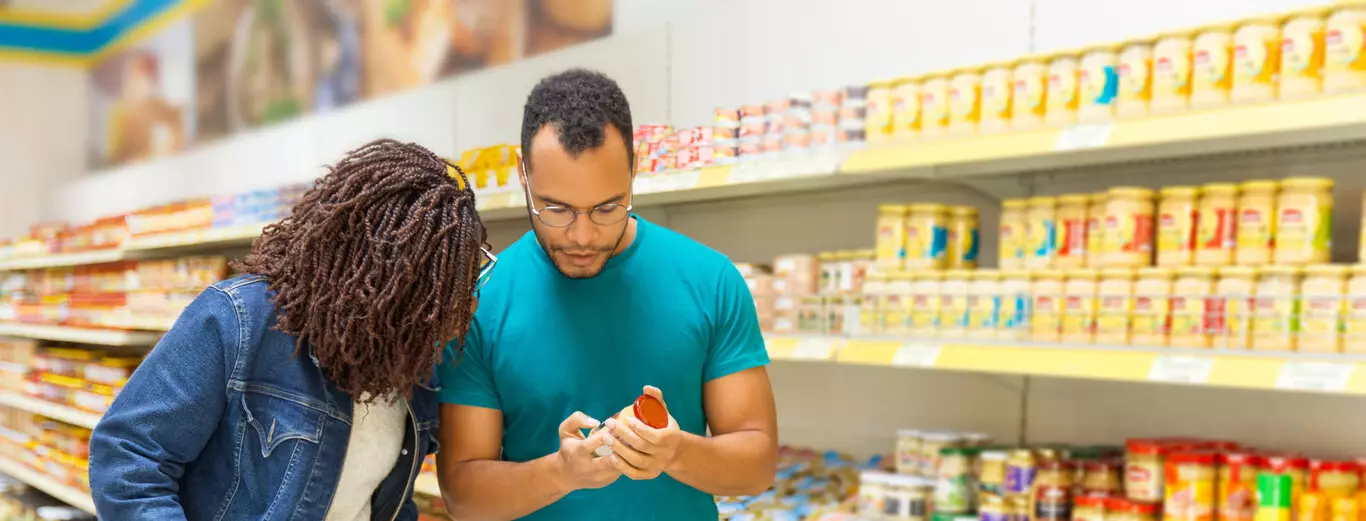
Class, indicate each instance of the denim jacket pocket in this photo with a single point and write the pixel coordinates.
(277, 420)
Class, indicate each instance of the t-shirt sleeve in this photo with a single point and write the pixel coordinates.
(736, 342)
(466, 377)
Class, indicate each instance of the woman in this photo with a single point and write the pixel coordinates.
(305, 390)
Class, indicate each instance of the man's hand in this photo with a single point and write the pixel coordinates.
(578, 467)
(638, 451)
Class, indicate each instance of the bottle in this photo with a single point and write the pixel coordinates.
(648, 409)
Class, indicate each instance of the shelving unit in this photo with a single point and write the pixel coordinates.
(40, 481)
(102, 337)
(57, 412)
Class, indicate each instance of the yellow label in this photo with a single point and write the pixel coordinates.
(934, 104)
(1172, 68)
(953, 312)
(965, 99)
(1151, 314)
(1255, 229)
(924, 313)
(1256, 54)
(1303, 229)
(1188, 316)
(1275, 316)
(1135, 76)
(1195, 494)
(1047, 316)
(1345, 40)
(1080, 317)
(891, 241)
(1176, 232)
(996, 94)
(1212, 62)
(906, 108)
(983, 311)
(1356, 316)
(1063, 95)
(1322, 315)
(1115, 312)
(1030, 88)
(1302, 51)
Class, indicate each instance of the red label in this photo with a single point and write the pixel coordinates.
(1216, 320)
(1143, 304)
(1252, 217)
(1143, 234)
(1292, 216)
(1073, 238)
(1224, 234)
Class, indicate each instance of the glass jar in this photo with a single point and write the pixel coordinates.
(1072, 247)
(1064, 96)
(927, 236)
(1217, 225)
(908, 451)
(1172, 82)
(963, 240)
(1275, 314)
(1041, 233)
(984, 304)
(1291, 467)
(1302, 57)
(811, 315)
(1345, 66)
(1029, 101)
(1015, 297)
(871, 491)
(1176, 225)
(1014, 242)
(931, 445)
(1190, 486)
(1336, 479)
(1098, 84)
(1152, 307)
(1135, 79)
(1116, 295)
(991, 479)
(1095, 229)
(953, 304)
(829, 272)
(1323, 303)
(891, 237)
(1125, 510)
(1237, 494)
(896, 304)
(1020, 471)
(997, 87)
(955, 490)
(1256, 229)
(1193, 287)
(873, 303)
(1101, 477)
(1212, 69)
(1052, 494)
(1046, 323)
(1129, 228)
(1079, 316)
(1257, 67)
(877, 124)
(1354, 340)
(1089, 508)
(1143, 474)
(925, 300)
(1304, 223)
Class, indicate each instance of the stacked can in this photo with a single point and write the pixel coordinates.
(853, 111)
(656, 146)
(726, 137)
(695, 148)
(797, 123)
(753, 125)
(775, 114)
(825, 117)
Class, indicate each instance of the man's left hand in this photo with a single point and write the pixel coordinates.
(639, 451)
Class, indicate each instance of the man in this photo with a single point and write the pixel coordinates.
(594, 307)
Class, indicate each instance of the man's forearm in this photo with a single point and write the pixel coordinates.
(497, 490)
(735, 464)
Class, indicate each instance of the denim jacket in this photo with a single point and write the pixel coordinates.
(222, 421)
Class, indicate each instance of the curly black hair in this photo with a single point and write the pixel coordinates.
(375, 268)
(579, 104)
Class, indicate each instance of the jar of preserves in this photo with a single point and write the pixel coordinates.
(908, 451)
(1354, 340)
(871, 308)
(1052, 494)
(1145, 461)
(891, 237)
(1014, 242)
(1256, 229)
(1190, 486)
(1135, 79)
(1152, 307)
(1323, 303)
(1116, 295)
(1041, 233)
(1257, 63)
(1345, 64)
(1101, 477)
(1237, 495)
(955, 490)
(991, 481)
(1291, 468)
(1098, 83)
(1336, 479)
(1064, 94)
(927, 236)
(1121, 509)
(931, 446)
(1217, 224)
(953, 304)
(1095, 229)
(984, 304)
(925, 303)
(1079, 315)
(1276, 309)
(1302, 53)
(964, 241)
(1128, 228)
(1048, 310)
(1172, 79)
(896, 304)
(1015, 302)
(1089, 508)
(1212, 71)
(1230, 311)
(1020, 471)
(934, 105)
(1304, 222)
(877, 123)
(965, 101)
(1176, 225)
(1072, 247)
(1193, 287)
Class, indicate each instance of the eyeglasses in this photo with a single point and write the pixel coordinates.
(561, 217)
(485, 268)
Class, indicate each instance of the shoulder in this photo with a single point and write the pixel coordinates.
(683, 249)
(247, 298)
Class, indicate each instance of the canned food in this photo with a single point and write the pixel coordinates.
(727, 117)
(822, 135)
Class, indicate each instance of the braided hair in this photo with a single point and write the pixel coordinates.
(375, 268)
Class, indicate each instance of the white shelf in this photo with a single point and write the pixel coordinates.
(104, 337)
(62, 260)
(43, 482)
(51, 410)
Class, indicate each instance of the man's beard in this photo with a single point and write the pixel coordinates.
(550, 251)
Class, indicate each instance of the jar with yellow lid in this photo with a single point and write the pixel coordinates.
(1256, 230)
(1218, 212)
(1098, 81)
(1152, 307)
(906, 114)
(1172, 70)
(891, 237)
(1095, 228)
(1230, 311)
(927, 236)
(964, 240)
(997, 91)
(1048, 308)
(1116, 295)
(896, 304)
(965, 101)
(925, 303)
(1192, 287)
(1257, 60)
(877, 121)
(1304, 222)
(1176, 225)
(1323, 303)
(1012, 234)
(1276, 311)
(1041, 232)
(1344, 66)
(1302, 53)
(953, 303)
(934, 105)
(1212, 71)
(1079, 318)
(1029, 102)
(1135, 79)
(984, 304)
(1071, 223)
(1128, 228)
(871, 307)
(1064, 92)
(1015, 299)
(1354, 340)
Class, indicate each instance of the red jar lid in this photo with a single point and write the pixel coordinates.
(1319, 465)
(1145, 446)
(1134, 507)
(1239, 459)
(651, 412)
(1194, 457)
(1285, 462)
(1221, 445)
(1092, 500)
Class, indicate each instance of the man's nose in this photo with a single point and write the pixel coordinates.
(583, 231)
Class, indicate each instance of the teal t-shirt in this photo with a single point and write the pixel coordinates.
(667, 312)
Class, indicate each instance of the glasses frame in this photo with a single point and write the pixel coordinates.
(485, 270)
(526, 186)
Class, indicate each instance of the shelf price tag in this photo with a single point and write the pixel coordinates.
(1082, 137)
(1315, 376)
(812, 349)
(1181, 369)
(916, 355)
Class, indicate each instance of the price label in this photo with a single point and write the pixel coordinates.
(916, 355)
(1082, 137)
(1315, 376)
(1181, 369)
(812, 349)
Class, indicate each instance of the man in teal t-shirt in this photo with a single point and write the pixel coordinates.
(589, 310)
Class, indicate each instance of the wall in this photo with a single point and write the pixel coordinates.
(37, 151)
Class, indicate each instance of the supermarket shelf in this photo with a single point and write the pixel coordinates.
(104, 337)
(51, 410)
(40, 481)
(227, 236)
(1333, 374)
(426, 484)
(62, 260)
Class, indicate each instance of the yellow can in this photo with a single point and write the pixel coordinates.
(1212, 74)
(1323, 306)
(891, 237)
(1257, 60)
(965, 101)
(1095, 229)
(1079, 315)
(1276, 309)
(1344, 66)
(896, 304)
(1216, 235)
(1041, 233)
(1016, 298)
(1176, 225)
(1030, 100)
(1098, 82)
(1046, 323)
(1304, 221)
(925, 301)
(1128, 228)
(1302, 54)
(997, 94)
(906, 114)
(927, 236)
(1194, 285)
(1071, 223)
(984, 304)
(1014, 241)
(1064, 94)
(934, 104)
(1115, 316)
(953, 304)
(1355, 337)
(1173, 63)
(1135, 79)
(964, 237)
(1256, 222)
(1152, 307)
(1231, 308)
(877, 123)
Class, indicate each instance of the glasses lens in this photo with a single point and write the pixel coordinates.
(556, 216)
(608, 214)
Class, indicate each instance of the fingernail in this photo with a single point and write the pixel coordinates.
(608, 440)
(592, 423)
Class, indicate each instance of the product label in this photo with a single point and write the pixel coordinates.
(1322, 315)
(983, 313)
(1171, 67)
(1072, 240)
(1301, 46)
(1356, 318)
(934, 103)
(1240, 503)
(1019, 480)
(1252, 55)
(891, 240)
(1176, 232)
(965, 98)
(1142, 483)
(895, 315)
(926, 242)
(1132, 233)
(1303, 231)
(953, 311)
(1275, 317)
(1062, 86)
(1099, 81)
(1114, 315)
(1052, 504)
(1095, 234)
(1344, 39)
(1080, 317)
(1151, 315)
(1012, 242)
(1013, 311)
(1212, 61)
(1188, 317)
(952, 494)
(993, 516)
(996, 94)
(1029, 92)
(1216, 229)
(906, 108)
(1190, 500)
(1043, 239)
(1134, 75)
(1254, 230)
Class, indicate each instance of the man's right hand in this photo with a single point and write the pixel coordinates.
(578, 467)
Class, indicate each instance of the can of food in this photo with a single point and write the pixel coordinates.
(878, 122)
(727, 118)
(822, 135)
(753, 121)
(1256, 60)
(796, 139)
(934, 104)
(771, 144)
(1098, 81)
(1172, 69)
(1135, 79)
(1064, 96)
(906, 113)
(963, 238)
(1345, 43)
(1304, 221)
(1302, 54)
(927, 236)
(1029, 102)
(965, 101)
(1212, 67)
(725, 152)
(1128, 238)
(996, 98)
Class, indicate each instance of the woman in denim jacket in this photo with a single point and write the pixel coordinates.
(305, 390)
